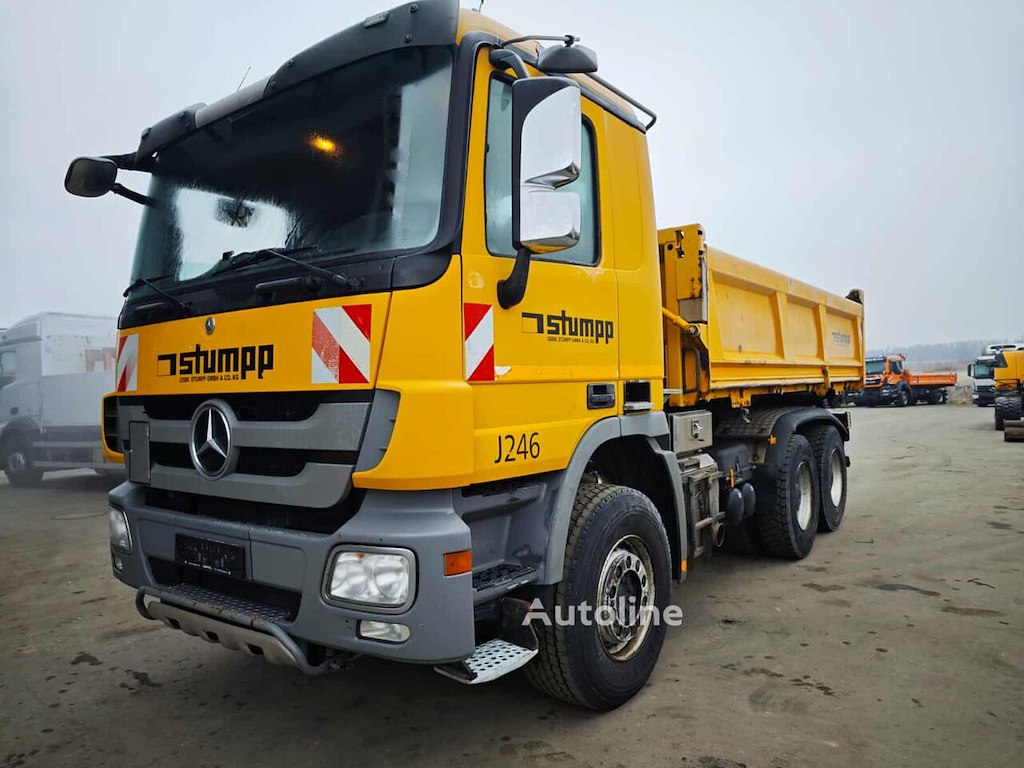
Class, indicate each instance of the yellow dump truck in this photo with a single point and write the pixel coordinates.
(1008, 385)
(406, 370)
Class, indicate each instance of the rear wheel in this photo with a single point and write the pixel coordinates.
(999, 414)
(902, 397)
(830, 453)
(1007, 409)
(617, 562)
(788, 522)
(18, 463)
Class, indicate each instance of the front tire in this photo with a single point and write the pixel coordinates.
(617, 549)
(787, 524)
(830, 453)
(18, 463)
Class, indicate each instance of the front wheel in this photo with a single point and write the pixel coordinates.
(18, 464)
(615, 588)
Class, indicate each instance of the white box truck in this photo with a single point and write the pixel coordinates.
(54, 370)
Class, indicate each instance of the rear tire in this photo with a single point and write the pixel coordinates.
(617, 547)
(830, 453)
(1007, 409)
(902, 398)
(18, 463)
(788, 522)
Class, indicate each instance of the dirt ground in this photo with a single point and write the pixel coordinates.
(897, 642)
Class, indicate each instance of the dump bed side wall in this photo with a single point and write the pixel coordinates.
(932, 379)
(764, 332)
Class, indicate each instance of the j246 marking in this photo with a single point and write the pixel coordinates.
(518, 447)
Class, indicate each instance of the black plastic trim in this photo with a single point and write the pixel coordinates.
(413, 24)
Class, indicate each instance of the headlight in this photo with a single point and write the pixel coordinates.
(383, 578)
(120, 535)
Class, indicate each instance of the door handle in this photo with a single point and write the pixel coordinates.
(600, 396)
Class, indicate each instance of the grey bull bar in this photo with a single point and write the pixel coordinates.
(198, 612)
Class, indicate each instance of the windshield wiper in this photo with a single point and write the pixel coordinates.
(148, 282)
(246, 258)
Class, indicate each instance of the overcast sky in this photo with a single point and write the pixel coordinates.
(875, 144)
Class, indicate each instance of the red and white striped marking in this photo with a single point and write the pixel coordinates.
(478, 332)
(341, 345)
(127, 376)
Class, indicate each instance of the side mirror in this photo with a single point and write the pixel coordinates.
(970, 370)
(546, 155)
(567, 60)
(546, 150)
(90, 176)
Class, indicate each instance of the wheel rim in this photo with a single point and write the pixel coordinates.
(836, 476)
(627, 573)
(16, 462)
(805, 504)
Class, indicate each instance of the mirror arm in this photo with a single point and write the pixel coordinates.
(509, 59)
(512, 289)
(135, 197)
(124, 162)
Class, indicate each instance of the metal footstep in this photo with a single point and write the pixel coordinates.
(489, 662)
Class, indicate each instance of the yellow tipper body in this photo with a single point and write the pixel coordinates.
(735, 329)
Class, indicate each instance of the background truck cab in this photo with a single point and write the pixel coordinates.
(54, 370)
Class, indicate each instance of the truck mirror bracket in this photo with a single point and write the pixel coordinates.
(512, 289)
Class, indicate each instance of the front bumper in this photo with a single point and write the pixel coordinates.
(440, 618)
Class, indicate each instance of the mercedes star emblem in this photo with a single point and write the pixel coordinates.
(210, 325)
(210, 445)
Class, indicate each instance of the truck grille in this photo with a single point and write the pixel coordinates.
(289, 450)
(248, 406)
(258, 513)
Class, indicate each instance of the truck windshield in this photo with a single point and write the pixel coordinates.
(350, 162)
(874, 367)
(982, 371)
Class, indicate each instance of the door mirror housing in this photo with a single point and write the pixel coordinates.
(567, 59)
(90, 176)
(970, 370)
(546, 155)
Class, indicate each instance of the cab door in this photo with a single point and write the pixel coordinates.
(546, 369)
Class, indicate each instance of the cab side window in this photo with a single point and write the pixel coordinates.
(8, 367)
(498, 184)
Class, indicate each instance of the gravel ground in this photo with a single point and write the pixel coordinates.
(897, 642)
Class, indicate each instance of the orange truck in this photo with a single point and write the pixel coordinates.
(888, 382)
